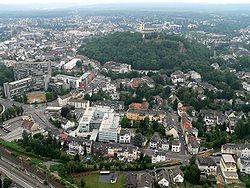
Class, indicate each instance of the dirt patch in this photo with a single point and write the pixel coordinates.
(36, 97)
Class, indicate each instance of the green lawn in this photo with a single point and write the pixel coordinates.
(92, 181)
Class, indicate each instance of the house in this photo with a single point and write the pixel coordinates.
(178, 77)
(194, 76)
(125, 136)
(206, 165)
(172, 131)
(143, 105)
(176, 145)
(63, 100)
(177, 176)
(162, 177)
(131, 180)
(163, 145)
(123, 152)
(144, 180)
(246, 86)
(244, 165)
(153, 144)
(193, 146)
(159, 157)
(228, 169)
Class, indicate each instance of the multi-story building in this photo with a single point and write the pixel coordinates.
(103, 119)
(17, 88)
(110, 128)
(228, 169)
(241, 150)
(39, 71)
(244, 165)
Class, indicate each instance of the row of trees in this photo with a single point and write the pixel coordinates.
(11, 112)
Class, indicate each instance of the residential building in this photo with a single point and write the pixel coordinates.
(63, 100)
(153, 144)
(228, 169)
(241, 150)
(163, 145)
(117, 67)
(244, 165)
(176, 146)
(79, 103)
(17, 88)
(206, 165)
(125, 136)
(159, 157)
(39, 71)
(139, 180)
(162, 177)
(177, 176)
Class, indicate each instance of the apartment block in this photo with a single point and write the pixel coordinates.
(17, 88)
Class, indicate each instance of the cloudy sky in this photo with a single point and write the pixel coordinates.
(118, 1)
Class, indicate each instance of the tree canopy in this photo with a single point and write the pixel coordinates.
(155, 51)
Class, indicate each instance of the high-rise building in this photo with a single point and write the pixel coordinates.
(39, 71)
(17, 88)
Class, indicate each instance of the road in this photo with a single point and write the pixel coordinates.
(18, 176)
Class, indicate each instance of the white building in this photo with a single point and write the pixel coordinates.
(159, 157)
(176, 146)
(63, 100)
(228, 169)
(244, 165)
(102, 118)
(79, 103)
(125, 137)
(74, 82)
(110, 128)
(71, 64)
(246, 86)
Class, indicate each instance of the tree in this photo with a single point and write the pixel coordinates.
(82, 183)
(65, 111)
(125, 122)
(138, 140)
(7, 182)
(192, 172)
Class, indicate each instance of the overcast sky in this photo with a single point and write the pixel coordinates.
(118, 1)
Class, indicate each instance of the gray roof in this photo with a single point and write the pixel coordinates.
(206, 161)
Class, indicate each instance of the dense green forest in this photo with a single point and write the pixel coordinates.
(6, 74)
(155, 51)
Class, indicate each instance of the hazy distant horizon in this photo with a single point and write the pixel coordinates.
(96, 2)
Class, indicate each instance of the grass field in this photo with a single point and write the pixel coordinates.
(92, 181)
(36, 97)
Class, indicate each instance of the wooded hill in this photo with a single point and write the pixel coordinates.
(155, 51)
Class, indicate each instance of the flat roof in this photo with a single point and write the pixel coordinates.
(67, 77)
(110, 121)
(228, 158)
(19, 81)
